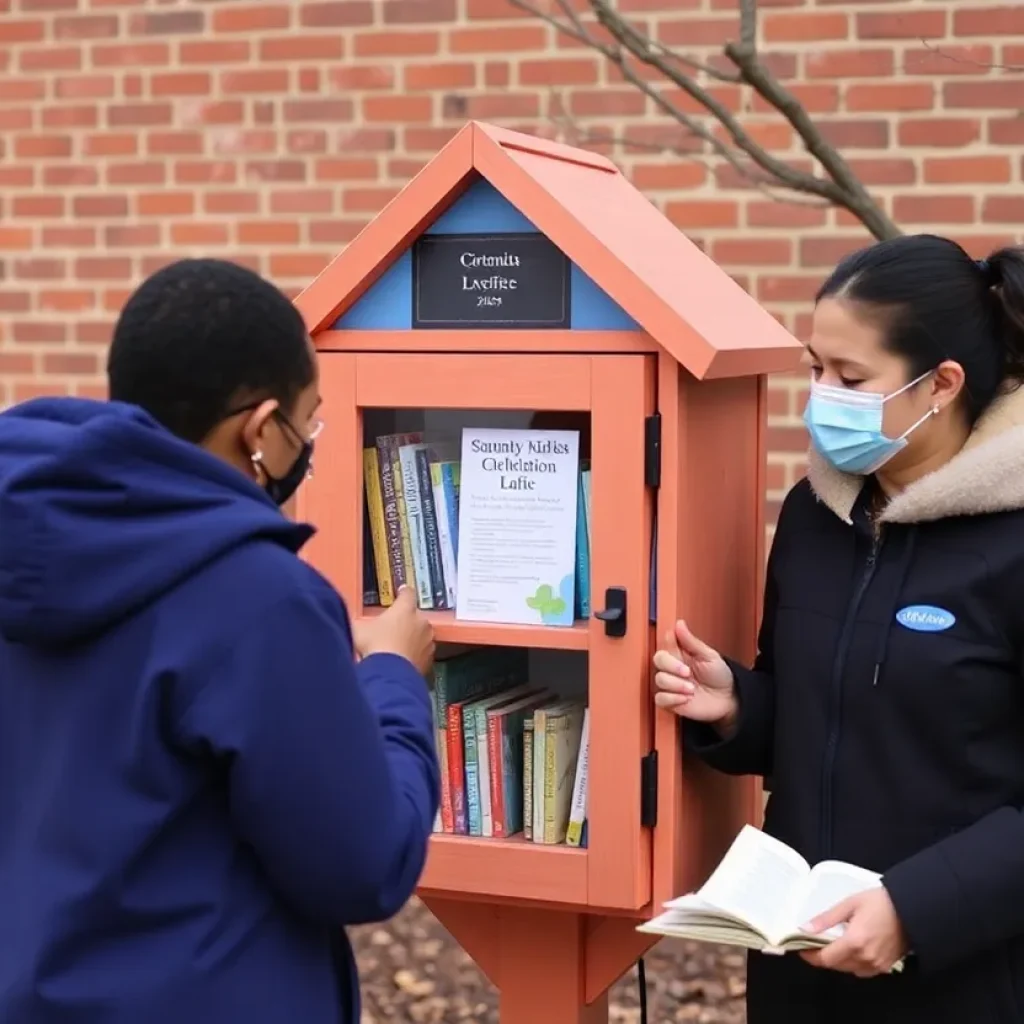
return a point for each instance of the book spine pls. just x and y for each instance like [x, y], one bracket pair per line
[414, 518]
[392, 520]
[496, 758]
[437, 826]
[582, 554]
[445, 811]
[549, 821]
[578, 807]
[449, 477]
[457, 770]
[431, 535]
[378, 527]
[528, 779]
[371, 595]
[397, 441]
[483, 774]
[470, 753]
[443, 515]
[539, 739]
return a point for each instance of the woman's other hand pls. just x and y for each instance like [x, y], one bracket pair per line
[694, 681]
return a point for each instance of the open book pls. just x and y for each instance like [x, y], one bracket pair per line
[760, 896]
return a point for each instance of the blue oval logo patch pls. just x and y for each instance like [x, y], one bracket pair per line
[925, 618]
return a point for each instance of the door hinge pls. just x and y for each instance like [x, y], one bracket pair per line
[652, 450]
[649, 790]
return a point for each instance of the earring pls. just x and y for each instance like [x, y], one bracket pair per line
[257, 462]
[935, 409]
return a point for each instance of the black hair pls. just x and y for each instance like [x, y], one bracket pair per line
[201, 335]
[934, 302]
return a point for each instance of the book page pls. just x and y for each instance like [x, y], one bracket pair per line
[827, 884]
[756, 882]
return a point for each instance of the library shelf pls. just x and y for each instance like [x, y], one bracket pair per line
[448, 629]
[511, 867]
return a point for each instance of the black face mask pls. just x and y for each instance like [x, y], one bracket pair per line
[280, 488]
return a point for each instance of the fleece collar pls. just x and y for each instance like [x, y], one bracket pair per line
[986, 475]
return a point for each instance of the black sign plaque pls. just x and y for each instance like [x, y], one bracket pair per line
[496, 281]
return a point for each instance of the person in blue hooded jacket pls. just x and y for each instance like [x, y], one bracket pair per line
[200, 784]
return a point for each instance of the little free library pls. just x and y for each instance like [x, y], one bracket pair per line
[531, 378]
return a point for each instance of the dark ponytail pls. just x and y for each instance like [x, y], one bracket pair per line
[1005, 269]
[932, 301]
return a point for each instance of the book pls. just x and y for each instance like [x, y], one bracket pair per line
[760, 896]
[416, 523]
[460, 676]
[578, 804]
[563, 730]
[528, 778]
[583, 543]
[444, 509]
[374, 514]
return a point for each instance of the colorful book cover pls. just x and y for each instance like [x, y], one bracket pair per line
[374, 514]
[431, 530]
[392, 520]
[397, 441]
[460, 677]
[450, 478]
[564, 730]
[444, 518]
[414, 521]
[578, 804]
[505, 751]
[528, 777]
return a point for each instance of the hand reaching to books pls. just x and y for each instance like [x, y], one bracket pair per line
[401, 629]
[693, 680]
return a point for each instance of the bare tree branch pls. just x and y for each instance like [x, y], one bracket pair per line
[838, 185]
[955, 59]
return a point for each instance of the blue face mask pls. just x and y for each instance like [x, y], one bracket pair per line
[846, 426]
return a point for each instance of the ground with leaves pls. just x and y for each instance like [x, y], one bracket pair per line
[412, 970]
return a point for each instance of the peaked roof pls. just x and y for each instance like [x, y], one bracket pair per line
[609, 229]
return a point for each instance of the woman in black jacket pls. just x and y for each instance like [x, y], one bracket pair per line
[886, 704]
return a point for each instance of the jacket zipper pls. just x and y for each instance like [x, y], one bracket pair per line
[836, 693]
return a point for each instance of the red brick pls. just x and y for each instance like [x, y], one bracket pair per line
[85, 87]
[440, 76]
[1001, 20]
[1003, 210]
[902, 25]
[42, 147]
[856, 134]
[63, 237]
[898, 96]
[767, 214]
[117, 236]
[396, 44]
[947, 60]
[274, 232]
[22, 31]
[892, 171]
[100, 206]
[697, 31]
[174, 143]
[189, 234]
[1006, 131]
[816, 98]
[180, 83]
[558, 72]
[139, 114]
[91, 26]
[15, 238]
[303, 200]
[312, 47]
[214, 51]
[166, 23]
[967, 170]
[945, 132]
[1001, 93]
[687, 215]
[419, 12]
[38, 269]
[274, 80]
[607, 102]
[508, 39]
[757, 252]
[345, 170]
[131, 55]
[50, 58]
[64, 300]
[318, 110]
[850, 64]
[925, 209]
[259, 17]
[810, 27]
[136, 174]
[336, 14]
[367, 200]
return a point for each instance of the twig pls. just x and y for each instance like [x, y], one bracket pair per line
[838, 187]
[986, 65]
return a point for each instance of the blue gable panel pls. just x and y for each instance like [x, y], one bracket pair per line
[480, 208]
[592, 309]
[387, 306]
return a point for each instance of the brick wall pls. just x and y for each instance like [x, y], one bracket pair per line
[132, 132]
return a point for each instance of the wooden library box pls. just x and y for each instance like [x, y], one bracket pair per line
[517, 284]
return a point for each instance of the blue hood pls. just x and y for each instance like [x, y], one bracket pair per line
[102, 511]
